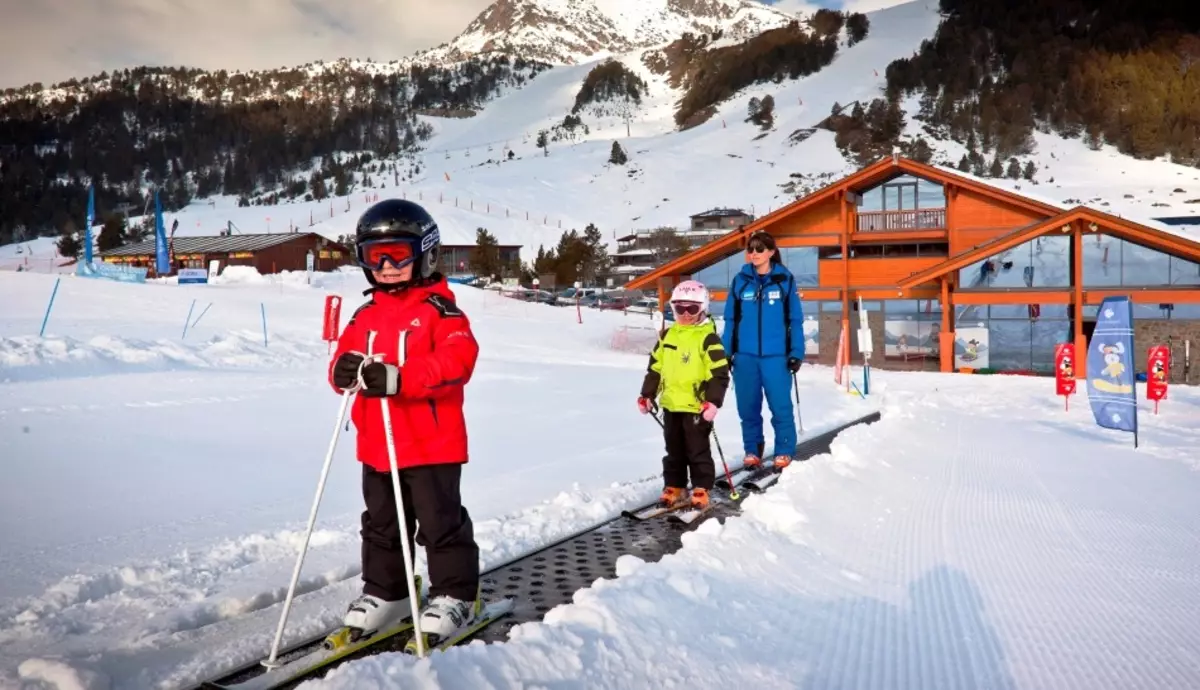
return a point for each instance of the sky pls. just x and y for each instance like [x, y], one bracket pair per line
[54, 40]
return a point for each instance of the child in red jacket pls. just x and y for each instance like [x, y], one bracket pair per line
[412, 307]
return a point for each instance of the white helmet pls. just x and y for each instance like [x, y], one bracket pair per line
[691, 291]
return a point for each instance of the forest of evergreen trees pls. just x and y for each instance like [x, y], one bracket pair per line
[192, 134]
[1108, 71]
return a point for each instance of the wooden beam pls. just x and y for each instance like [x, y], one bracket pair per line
[824, 239]
[946, 335]
[823, 294]
[890, 236]
[845, 238]
[1077, 298]
[1145, 295]
[886, 293]
[1013, 296]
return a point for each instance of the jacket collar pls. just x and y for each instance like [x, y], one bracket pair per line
[778, 273]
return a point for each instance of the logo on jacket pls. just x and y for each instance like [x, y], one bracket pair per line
[687, 357]
[416, 323]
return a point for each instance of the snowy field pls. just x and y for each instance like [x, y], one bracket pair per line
[977, 537]
[157, 485]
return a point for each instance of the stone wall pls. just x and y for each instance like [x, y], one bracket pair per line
[1172, 333]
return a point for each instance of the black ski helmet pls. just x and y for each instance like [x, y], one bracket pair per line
[399, 219]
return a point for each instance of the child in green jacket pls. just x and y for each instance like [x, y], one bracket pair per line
[688, 366]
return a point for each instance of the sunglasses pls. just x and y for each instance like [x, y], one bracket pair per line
[686, 308]
[756, 249]
[373, 255]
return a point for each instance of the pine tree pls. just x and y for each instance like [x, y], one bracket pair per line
[485, 257]
[1014, 169]
[112, 235]
[617, 157]
[1030, 170]
[68, 243]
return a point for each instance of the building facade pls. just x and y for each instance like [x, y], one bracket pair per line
[454, 260]
[955, 273]
[267, 253]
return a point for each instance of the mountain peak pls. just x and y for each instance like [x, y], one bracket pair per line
[573, 31]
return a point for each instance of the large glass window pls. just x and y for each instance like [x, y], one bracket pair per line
[903, 193]
[1043, 262]
[1111, 261]
[910, 331]
[719, 275]
[802, 262]
[1020, 337]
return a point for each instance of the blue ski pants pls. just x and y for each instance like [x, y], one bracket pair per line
[752, 376]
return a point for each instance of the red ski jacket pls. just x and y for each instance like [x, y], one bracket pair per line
[427, 412]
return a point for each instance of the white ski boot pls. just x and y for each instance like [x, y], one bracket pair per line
[446, 616]
[370, 613]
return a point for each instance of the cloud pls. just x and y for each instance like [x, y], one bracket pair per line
[803, 8]
[55, 40]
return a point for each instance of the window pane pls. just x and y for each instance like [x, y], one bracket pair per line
[1184, 272]
[812, 334]
[1101, 261]
[717, 276]
[1143, 266]
[901, 306]
[1009, 344]
[831, 307]
[1043, 262]
[1046, 334]
[802, 262]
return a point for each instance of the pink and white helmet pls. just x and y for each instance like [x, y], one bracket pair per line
[691, 291]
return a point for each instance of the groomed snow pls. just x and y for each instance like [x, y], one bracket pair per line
[160, 484]
[977, 537]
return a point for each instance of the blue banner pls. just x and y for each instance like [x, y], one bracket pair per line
[87, 225]
[1110, 367]
[121, 274]
[162, 265]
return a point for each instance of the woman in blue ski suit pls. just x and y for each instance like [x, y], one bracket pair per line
[764, 336]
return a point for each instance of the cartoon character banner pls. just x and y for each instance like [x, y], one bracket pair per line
[971, 347]
[1158, 370]
[1064, 369]
[1110, 370]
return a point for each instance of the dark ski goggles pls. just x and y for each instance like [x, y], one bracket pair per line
[690, 308]
[374, 254]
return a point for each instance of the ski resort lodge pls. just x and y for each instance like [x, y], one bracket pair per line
[958, 274]
[267, 253]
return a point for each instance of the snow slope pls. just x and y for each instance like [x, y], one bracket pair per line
[977, 537]
[157, 484]
[467, 181]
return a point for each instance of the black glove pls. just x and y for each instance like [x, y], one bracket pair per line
[345, 370]
[380, 380]
[793, 364]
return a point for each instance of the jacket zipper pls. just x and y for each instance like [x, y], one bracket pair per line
[758, 298]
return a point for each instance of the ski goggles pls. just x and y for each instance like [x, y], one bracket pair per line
[691, 308]
[373, 255]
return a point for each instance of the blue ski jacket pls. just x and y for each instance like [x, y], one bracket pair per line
[763, 316]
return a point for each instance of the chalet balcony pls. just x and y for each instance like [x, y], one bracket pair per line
[899, 221]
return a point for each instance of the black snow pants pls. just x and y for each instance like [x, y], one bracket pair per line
[431, 498]
[688, 449]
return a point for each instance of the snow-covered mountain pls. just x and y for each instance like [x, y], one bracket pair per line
[573, 31]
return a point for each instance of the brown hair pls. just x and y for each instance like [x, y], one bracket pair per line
[765, 239]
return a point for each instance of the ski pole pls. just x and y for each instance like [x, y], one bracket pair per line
[799, 421]
[271, 662]
[409, 563]
[733, 492]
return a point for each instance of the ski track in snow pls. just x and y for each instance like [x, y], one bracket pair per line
[993, 557]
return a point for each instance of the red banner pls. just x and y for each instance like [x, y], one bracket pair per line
[333, 318]
[1158, 370]
[1064, 369]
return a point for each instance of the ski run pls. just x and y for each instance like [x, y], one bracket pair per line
[977, 536]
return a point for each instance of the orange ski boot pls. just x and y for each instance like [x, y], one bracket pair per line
[752, 461]
[672, 495]
[782, 461]
[700, 498]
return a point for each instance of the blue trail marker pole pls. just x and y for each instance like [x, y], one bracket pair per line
[49, 307]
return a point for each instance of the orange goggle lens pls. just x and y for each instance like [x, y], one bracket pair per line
[376, 254]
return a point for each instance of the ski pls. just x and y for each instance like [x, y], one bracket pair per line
[763, 481]
[491, 612]
[690, 515]
[655, 510]
[310, 659]
[738, 477]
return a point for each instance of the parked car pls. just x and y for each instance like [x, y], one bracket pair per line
[619, 302]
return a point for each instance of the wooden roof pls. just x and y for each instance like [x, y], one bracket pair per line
[866, 178]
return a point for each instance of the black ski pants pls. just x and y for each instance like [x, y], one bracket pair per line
[432, 501]
[688, 449]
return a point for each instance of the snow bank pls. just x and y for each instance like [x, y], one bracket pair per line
[52, 674]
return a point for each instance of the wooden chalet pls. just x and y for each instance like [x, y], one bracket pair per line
[956, 273]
